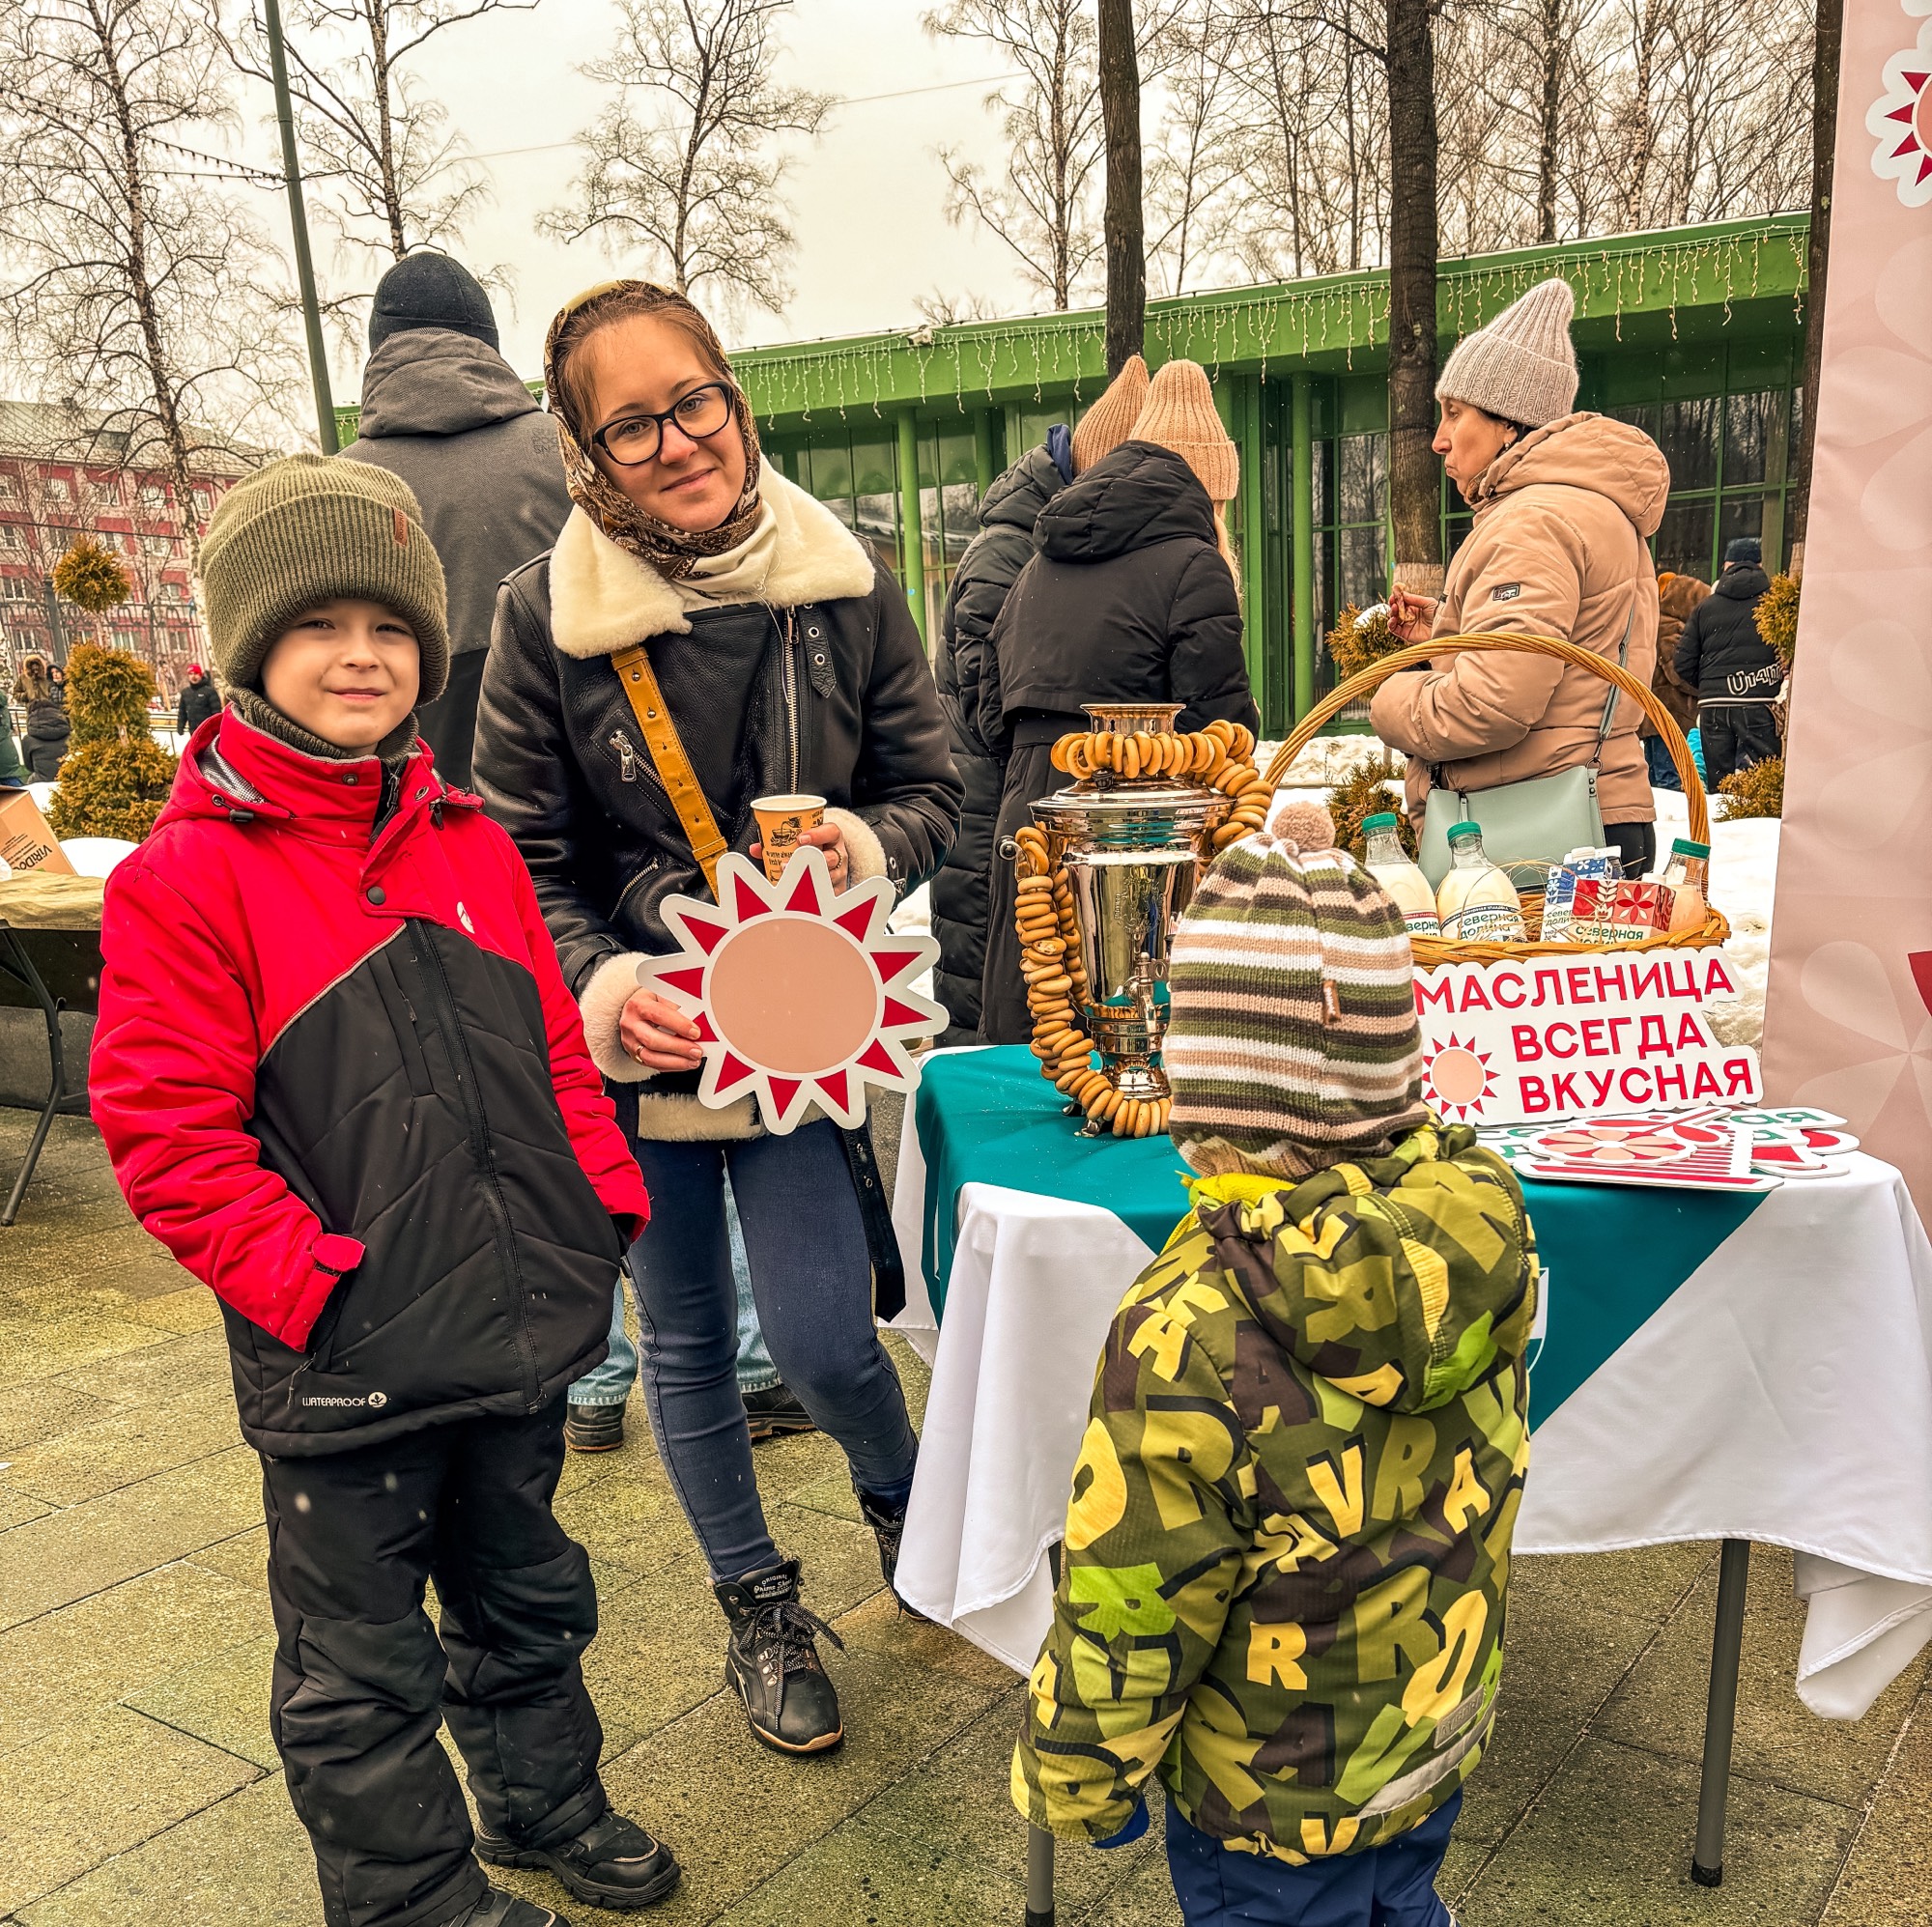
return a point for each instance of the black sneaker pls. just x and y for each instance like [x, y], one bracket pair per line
[594, 1427]
[773, 1665]
[888, 1528]
[614, 1862]
[499, 1908]
[774, 1414]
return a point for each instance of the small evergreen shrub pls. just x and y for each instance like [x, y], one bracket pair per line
[1354, 643]
[1755, 791]
[90, 577]
[1777, 616]
[116, 776]
[1368, 790]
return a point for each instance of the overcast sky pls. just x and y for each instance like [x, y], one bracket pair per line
[868, 194]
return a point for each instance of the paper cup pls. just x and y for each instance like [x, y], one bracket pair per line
[781, 820]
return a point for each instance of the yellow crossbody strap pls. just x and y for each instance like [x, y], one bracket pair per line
[667, 748]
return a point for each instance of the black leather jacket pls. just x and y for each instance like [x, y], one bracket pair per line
[842, 706]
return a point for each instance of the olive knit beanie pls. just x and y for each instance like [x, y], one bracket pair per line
[1111, 419]
[1180, 414]
[308, 530]
[1523, 367]
[1292, 1042]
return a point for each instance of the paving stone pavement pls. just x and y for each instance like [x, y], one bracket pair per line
[138, 1785]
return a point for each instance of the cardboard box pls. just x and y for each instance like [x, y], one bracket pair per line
[1620, 913]
[26, 840]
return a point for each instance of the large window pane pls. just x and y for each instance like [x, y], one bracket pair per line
[1364, 566]
[1690, 442]
[1749, 422]
[876, 522]
[875, 466]
[831, 470]
[1684, 541]
[1741, 515]
[1363, 494]
[1639, 415]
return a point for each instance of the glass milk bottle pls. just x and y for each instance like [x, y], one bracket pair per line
[1391, 866]
[1477, 902]
[1688, 874]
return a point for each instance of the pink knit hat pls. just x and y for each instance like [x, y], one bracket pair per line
[1111, 419]
[1180, 414]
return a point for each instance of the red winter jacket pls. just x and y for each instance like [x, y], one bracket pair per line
[341, 1080]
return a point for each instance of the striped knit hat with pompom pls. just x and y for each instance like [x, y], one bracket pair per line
[1292, 1042]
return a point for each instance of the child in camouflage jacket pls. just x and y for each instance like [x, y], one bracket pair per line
[1287, 1548]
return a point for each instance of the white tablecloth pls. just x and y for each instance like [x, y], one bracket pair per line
[1784, 1394]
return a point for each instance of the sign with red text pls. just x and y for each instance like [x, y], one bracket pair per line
[1578, 1036]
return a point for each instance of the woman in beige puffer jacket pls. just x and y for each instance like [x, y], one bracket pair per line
[1565, 505]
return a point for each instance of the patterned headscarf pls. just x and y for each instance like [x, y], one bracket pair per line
[674, 552]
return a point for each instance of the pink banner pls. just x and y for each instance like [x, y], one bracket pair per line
[1849, 1019]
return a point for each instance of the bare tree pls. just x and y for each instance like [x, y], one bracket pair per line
[141, 297]
[1126, 221]
[1198, 154]
[1042, 208]
[693, 180]
[397, 176]
[939, 309]
[1414, 474]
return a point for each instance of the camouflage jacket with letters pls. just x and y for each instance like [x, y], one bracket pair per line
[1289, 1541]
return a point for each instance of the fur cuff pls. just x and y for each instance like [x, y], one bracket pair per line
[613, 985]
[865, 855]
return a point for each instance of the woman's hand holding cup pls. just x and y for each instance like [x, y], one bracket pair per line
[658, 1035]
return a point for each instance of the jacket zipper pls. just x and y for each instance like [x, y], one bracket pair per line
[480, 1151]
[626, 757]
[791, 680]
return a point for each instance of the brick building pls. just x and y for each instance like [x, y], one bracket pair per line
[61, 477]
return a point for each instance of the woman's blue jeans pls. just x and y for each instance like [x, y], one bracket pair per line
[609, 1383]
[812, 1279]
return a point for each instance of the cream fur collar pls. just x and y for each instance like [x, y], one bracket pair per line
[603, 599]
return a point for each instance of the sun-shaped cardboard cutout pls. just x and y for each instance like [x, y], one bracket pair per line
[1901, 119]
[800, 993]
[1456, 1078]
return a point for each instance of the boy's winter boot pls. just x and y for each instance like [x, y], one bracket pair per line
[497, 1909]
[614, 1862]
[888, 1528]
[772, 1662]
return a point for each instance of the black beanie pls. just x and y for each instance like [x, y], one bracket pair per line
[429, 290]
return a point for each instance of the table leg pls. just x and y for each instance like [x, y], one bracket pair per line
[1039, 1878]
[23, 966]
[1720, 1713]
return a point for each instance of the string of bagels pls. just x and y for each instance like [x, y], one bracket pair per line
[1220, 757]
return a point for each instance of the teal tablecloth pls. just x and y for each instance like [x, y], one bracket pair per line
[1614, 1254]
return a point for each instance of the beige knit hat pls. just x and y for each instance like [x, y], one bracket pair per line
[1180, 414]
[308, 530]
[1521, 368]
[1111, 419]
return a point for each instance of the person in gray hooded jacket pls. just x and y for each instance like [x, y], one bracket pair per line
[444, 410]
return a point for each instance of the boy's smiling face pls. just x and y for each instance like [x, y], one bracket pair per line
[346, 672]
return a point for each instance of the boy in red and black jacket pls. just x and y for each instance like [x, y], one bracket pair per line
[341, 1080]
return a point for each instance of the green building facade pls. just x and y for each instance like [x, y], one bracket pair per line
[1695, 334]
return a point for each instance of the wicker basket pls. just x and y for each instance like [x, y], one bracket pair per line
[1433, 950]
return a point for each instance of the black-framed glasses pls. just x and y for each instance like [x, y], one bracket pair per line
[632, 440]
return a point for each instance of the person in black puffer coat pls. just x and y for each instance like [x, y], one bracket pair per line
[987, 571]
[1734, 670]
[44, 739]
[1131, 599]
[199, 701]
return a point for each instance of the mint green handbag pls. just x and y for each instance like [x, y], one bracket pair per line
[1528, 827]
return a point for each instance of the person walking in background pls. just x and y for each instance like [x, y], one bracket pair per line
[787, 661]
[199, 701]
[1735, 671]
[444, 410]
[1565, 505]
[13, 771]
[45, 727]
[1132, 597]
[1284, 1585]
[1676, 597]
[986, 572]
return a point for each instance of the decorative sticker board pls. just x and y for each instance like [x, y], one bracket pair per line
[801, 994]
[1707, 1149]
[1596, 1035]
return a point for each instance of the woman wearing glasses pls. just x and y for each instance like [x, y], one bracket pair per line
[788, 661]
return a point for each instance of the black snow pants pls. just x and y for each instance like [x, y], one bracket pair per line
[1733, 736]
[362, 1682]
